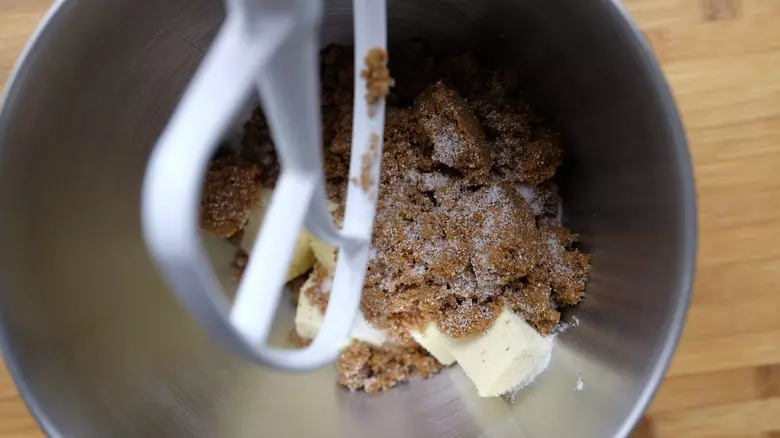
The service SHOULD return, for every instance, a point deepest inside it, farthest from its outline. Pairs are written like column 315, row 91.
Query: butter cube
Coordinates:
column 508, row 356
column 324, row 253
column 436, row 343
column 309, row 319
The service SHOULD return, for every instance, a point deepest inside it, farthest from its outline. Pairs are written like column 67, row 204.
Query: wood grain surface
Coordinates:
column 722, row 58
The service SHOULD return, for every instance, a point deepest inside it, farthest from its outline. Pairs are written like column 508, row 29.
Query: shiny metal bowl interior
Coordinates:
column 100, row 348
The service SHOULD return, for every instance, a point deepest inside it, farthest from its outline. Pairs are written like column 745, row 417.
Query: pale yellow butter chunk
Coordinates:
column 507, row 357
column 324, row 253
column 309, row 318
column 302, row 259
column 436, row 343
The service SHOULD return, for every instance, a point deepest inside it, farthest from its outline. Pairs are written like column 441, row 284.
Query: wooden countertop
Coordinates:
column 722, row 58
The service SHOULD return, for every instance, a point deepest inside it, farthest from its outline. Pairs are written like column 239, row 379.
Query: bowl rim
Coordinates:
column 688, row 217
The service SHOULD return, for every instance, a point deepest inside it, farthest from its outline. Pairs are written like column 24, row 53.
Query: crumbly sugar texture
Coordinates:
column 230, row 192
column 452, row 128
column 468, row 217
column 373, row 369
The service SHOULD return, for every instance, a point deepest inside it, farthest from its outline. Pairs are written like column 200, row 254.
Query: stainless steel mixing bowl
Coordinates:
column 100, row 348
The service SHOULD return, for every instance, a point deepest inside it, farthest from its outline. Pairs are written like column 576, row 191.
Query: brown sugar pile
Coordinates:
column 457, row 137
column 468, row 219
column 374, row 369
column 230, row 192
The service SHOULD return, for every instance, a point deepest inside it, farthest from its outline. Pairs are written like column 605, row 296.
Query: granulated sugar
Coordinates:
column 529, row 194
column 447, row 144
column 543, row 200
column 457, row 137
column 563, row 325
column 428, row 182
